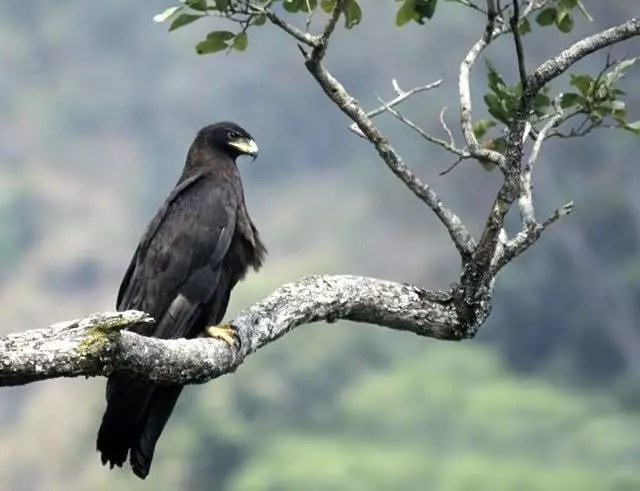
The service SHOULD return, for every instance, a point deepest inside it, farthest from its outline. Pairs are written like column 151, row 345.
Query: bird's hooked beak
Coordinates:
column 246, row 146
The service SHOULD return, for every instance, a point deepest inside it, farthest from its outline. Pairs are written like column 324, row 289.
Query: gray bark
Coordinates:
column 99, row 345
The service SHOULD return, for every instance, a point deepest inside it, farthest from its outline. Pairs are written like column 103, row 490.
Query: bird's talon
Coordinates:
column 224, row 332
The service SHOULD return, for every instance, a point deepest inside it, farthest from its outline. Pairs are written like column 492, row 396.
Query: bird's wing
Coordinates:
column 180, row 252
column 126, row 287
column 178, row 277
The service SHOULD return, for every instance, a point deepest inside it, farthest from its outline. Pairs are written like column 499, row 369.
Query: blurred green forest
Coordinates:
column 97, row 108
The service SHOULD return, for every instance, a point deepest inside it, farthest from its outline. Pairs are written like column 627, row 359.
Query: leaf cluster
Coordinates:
column 597, row 99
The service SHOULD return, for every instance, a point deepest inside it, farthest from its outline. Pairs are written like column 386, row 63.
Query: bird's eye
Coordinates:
column 231, row 135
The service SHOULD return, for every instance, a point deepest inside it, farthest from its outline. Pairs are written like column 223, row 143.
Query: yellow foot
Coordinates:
column 224, row 332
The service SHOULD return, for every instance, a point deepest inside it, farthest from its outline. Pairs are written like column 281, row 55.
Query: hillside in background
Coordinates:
column 98, row 106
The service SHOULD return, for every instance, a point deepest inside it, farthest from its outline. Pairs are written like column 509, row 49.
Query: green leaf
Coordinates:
column 583, row 83
column 327, row 5
column 164, row 16
column 618, row 71
column 210, row 46
column 405, row 12
column 308, row 5
column 494, row 80
column 541, row 101
column 292, row 6
column 224, row 35
column 183, row 20
column 619, row 109
column 215, row 41
column 496, row 108
column 259, row 20
column 241, row 41
column 584, row 11
column 564, row 23
column 546, row 17
column 633, row 127
column 424, row 9
column 352, row 14
column 197, row 5
column 500, row 144
column 570, row 99
column 524, row 27
column 481, row 127
column 624, row 64
column 222, row 5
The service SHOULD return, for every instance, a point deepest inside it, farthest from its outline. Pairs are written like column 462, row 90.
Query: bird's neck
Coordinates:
column 209, row 161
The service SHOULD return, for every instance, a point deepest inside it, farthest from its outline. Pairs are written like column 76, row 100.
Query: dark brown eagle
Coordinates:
column 199, row 245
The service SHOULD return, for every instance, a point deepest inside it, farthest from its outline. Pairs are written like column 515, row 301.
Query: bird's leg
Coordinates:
column 224, row 332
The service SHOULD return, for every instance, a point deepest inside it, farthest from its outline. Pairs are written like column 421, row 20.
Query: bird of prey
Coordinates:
column 198, row 246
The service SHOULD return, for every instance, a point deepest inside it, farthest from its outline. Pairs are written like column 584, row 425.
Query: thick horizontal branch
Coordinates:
column 98, row 345
column 557, row 65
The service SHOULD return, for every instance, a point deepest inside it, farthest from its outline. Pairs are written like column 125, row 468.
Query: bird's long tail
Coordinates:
column 125, row 429
column 159, row 409
column 137, row 412
column 126, row 400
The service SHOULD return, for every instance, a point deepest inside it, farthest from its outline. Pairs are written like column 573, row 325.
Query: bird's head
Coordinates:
column 230, row 138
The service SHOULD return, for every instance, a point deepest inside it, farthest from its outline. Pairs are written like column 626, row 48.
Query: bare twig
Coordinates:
column 293, row 31
column 527, row 237
column 307, row 24
column 466, row 121
column 423, row 134
column 318, row 52
column 452, row 141
column 451, row 167
column 473, row 6
column 525, row 200
column 403, row 96
column 459, row 234
column 492, row 13
column 461, row 237
column 514, row 23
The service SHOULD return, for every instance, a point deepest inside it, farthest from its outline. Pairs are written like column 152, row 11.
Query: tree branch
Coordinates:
column 464, row 88
column 293, row 31
column 461, row 237
column 402, row 96
column 449, row 147
column 525, row 200
column 512, row 187
column 529, row 236
column 98, row 346
column 515, row 23
column 557, row 65
column 517, row 183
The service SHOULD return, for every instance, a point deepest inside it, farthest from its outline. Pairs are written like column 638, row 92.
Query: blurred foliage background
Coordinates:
column 97, row 108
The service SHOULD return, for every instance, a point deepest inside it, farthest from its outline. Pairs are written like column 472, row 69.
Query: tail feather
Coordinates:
column 158, row 411
column 137, row 412
column 118, row 429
